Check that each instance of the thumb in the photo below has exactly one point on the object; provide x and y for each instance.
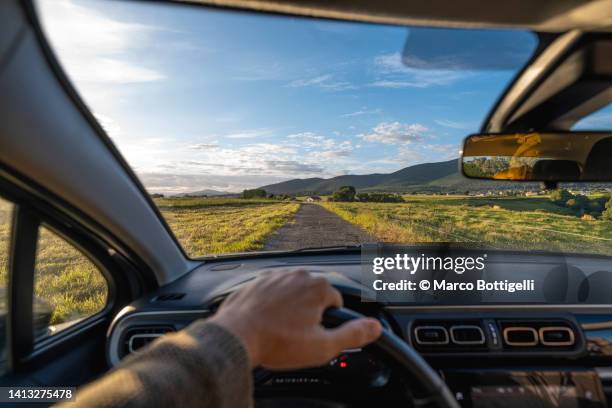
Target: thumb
(355, 333)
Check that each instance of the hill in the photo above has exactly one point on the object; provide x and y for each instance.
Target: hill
(427, 177)
(206, 193)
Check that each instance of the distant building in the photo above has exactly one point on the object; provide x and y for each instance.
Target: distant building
(312, 199)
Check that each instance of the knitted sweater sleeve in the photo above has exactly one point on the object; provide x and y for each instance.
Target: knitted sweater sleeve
(203, 365)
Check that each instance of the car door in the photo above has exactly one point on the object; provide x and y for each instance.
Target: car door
(59, 287)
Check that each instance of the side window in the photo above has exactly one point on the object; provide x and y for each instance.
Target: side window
(6, 209)
(68, 287)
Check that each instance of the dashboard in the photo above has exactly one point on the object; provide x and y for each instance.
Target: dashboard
(489, 354)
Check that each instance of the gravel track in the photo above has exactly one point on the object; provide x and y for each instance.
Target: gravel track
(314, 226)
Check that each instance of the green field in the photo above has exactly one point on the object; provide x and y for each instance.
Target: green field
(206, 226)
(522, 223)
(65, 280)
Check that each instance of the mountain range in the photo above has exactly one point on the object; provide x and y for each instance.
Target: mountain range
(207, 193)
(427, 177)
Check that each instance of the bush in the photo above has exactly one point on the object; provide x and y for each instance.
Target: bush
(254, 193)
(561, 196)
(596, 205)
(607, 214)
(344, 193)
(379, 198)
(579, 202)
(284, 197)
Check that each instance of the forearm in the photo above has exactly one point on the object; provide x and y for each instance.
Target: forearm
(204, 366)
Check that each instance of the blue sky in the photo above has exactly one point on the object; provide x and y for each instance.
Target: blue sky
(198, 99)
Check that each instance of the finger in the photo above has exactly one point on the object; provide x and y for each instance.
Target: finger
(333, 298)
(353, 334)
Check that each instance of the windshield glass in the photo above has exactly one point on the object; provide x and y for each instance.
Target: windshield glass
(262, 132)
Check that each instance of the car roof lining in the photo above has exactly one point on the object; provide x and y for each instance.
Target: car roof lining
(541, 15)
(565, 82)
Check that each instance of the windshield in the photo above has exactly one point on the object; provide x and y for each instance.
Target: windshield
(257, 132)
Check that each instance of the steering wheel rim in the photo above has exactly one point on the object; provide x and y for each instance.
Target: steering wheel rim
(437, 392)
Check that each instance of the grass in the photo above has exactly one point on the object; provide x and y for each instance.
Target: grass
(5, 227)
(508, 223)
(66, 282)
(206, 226)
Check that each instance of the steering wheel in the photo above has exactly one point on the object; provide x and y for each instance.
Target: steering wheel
(433, 388)
(435, 391)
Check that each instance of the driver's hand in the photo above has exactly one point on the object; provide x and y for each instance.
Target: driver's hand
(278, 317)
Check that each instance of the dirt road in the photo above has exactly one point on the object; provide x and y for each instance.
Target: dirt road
(314, 226)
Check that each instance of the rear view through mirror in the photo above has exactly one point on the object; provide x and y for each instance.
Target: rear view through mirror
(550, 156)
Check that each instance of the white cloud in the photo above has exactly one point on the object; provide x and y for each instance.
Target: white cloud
(443, 151)
(110, 126)
(454, 125)
(205, 146)
(166, 183)
(326, 81)
(93, 47)
(411, 154)
(260, 72)
(112, 71)
(392, 73)
(249, 134)
(292, 167)
(395, 133)
(360, 112)
(321, 148)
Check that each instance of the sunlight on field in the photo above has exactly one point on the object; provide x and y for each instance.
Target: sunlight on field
(206, 226)
(511, 223)
(67, 280)
(68, 286)
(5, 226)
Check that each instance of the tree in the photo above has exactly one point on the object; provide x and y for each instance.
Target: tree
(254, 193)
(578, 202)
(607, 214)
(561, 196)
(379, 197)
(344, 193)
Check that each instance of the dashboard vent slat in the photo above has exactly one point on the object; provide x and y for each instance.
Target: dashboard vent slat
(520, 336)
(467, 335)
(168, 297)
(431, 335)
(557, 336)
(139, 337)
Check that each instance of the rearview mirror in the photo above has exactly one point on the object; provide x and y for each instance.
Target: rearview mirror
(536, 156)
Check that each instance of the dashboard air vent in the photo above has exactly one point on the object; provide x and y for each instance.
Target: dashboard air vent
(431, 335)
(520, 336)
(168, 297)
(467, 335)
(556, 336)
(139, 337)
(538, 334)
